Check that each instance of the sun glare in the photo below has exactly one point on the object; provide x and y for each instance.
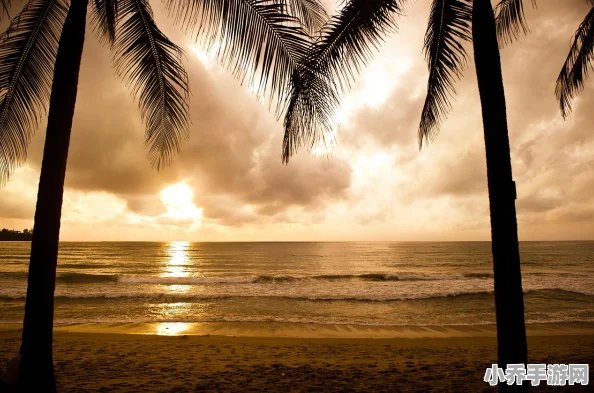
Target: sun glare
(179, 200)
(206, 57)
(375, 85)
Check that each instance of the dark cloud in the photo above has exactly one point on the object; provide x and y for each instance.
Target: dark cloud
(535, 203)
(15, 208)
(577, 214)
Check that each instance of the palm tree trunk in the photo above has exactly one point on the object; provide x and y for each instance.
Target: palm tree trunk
(509, 301)
(37, 370)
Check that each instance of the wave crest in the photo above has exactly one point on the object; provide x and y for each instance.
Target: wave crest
(84, 278)
(177, 297)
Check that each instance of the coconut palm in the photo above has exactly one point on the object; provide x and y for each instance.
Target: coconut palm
(347, 42)
(40, 55)
(577, 65)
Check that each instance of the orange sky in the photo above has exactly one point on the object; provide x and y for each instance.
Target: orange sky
(228, 183)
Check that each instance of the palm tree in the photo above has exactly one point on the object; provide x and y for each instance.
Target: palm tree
(48, 36)
(577, 65)
(44, 43)
(347, 42)
(509, 299)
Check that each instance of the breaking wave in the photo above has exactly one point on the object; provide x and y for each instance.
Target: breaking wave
(183, 297)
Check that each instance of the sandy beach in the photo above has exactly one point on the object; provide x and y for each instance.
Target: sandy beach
(265, 358)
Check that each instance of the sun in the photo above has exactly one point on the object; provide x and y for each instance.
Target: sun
(179, 200)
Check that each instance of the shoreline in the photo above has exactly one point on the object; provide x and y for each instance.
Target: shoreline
(310, 331)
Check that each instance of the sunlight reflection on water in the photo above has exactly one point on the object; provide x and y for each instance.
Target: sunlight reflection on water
(176, 265)
(171, 328)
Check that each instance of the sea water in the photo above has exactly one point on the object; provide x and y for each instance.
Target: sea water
(360, 283)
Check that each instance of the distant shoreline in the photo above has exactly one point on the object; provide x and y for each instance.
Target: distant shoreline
(10, 235)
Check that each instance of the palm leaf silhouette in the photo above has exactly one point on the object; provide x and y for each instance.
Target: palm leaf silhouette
(28, 51)
(151, 64)
(510, 20)
(105, 15)
(311, 13)
(577, 65)
(257, 39)
(344, 45)
(449, 24)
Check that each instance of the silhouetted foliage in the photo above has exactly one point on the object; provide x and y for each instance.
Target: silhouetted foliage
(577, 65)
(580, 59)
(13, 235)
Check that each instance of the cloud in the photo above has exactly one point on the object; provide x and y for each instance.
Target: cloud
(376, 185)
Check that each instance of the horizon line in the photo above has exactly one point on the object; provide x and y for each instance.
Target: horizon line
(298, 241)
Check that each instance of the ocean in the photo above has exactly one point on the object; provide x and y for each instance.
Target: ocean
(351, 283)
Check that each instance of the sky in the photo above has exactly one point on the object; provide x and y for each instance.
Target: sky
(228, 182)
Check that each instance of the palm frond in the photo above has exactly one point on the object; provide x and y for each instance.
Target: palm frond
(311, 13)
(257, 40)
(344, 45)
(27, 56)
(449, 24)
(151, 64)
(311, 111)
(105, 15)
(510, 20)
(577, 65)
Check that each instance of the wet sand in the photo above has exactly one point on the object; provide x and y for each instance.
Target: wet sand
(292, 358)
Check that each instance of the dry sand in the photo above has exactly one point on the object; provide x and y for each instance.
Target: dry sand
(407, 362)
